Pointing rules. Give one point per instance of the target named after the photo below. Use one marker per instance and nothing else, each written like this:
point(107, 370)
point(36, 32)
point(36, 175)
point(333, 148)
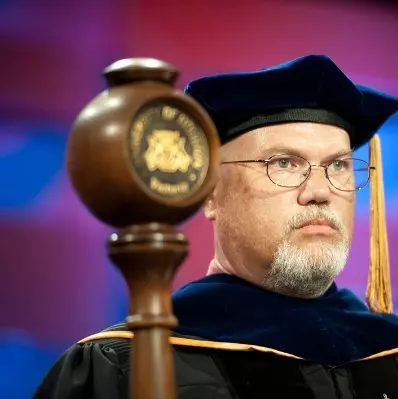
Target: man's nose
point(316, 189)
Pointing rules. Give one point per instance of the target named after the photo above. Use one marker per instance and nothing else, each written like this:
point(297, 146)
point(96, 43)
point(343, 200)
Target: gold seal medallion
point(169, 151)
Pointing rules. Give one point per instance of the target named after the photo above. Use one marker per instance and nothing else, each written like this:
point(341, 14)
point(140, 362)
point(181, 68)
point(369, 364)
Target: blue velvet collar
point(334, 329)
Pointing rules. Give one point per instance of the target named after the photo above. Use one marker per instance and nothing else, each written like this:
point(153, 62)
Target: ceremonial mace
point(142, 157)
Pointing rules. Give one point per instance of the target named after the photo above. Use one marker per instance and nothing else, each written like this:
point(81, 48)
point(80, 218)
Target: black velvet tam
point(332, 330)
point(308, 89)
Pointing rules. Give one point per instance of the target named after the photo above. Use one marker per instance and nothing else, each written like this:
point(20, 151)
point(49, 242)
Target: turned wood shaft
point(148, 257)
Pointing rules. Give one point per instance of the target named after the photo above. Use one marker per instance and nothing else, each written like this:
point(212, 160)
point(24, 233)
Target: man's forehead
point(296, 136)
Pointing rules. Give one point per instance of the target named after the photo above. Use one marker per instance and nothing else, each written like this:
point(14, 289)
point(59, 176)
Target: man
point(268, 320)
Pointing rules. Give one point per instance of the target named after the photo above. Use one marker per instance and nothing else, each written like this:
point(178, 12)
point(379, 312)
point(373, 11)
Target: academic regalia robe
point(238, 341)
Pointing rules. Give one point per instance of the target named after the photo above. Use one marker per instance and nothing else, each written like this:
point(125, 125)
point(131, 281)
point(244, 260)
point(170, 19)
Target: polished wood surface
point(148, 256)
point(142, 157)
point(98, 156)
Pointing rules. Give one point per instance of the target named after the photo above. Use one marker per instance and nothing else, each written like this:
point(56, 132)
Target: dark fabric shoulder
point(93, 370)
point(254, 374)
point(98, 369)
point(376, 378)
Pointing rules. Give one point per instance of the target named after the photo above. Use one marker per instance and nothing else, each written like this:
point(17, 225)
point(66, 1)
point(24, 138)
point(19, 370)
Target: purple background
point(57, 285)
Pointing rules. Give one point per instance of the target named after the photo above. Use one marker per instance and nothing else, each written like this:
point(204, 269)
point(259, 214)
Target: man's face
point(259, 230)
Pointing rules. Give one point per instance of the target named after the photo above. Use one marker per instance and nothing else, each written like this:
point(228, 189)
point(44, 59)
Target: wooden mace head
point(142, 151)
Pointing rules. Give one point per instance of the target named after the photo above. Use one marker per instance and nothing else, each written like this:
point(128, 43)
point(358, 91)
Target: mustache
point(315, 212)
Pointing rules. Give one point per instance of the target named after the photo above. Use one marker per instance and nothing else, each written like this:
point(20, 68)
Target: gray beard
point(305, 272)
point(308, 270)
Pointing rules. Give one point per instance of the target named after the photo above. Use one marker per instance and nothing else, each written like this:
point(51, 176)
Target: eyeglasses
point(291, 171)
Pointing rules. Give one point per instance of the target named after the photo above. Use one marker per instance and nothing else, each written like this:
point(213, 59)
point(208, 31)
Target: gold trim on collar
point(381, 354)
point(192, 343)
point(219, 345)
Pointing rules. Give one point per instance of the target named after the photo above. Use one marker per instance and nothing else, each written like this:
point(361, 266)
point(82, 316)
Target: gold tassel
point(378, 294)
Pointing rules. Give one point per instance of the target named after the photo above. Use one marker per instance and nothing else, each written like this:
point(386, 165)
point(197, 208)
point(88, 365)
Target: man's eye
point(338, 164)
point(290, 163)
point(283, 163)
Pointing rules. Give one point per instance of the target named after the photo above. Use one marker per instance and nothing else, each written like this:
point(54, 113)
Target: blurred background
point(57, 285)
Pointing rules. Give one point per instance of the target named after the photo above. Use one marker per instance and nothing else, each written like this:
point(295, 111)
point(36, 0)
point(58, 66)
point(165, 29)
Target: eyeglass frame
point(309, 170)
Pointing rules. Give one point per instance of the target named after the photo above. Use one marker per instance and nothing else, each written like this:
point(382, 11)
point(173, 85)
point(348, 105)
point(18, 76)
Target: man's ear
point(209, 207)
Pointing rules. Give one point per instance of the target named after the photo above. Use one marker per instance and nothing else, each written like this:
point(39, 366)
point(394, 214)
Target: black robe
point(238, 341)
